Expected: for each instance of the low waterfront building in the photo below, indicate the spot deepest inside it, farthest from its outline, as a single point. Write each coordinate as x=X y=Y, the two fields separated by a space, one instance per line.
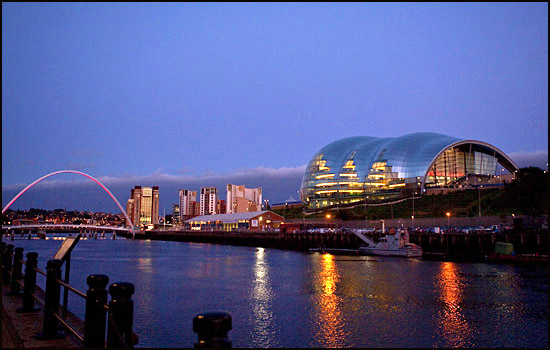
x=257 y=221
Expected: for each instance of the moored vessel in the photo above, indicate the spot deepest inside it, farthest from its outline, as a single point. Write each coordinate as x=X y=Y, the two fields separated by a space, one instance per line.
x=393 y=244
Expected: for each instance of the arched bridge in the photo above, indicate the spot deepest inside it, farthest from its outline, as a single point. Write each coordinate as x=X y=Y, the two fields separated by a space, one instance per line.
x=131 y=228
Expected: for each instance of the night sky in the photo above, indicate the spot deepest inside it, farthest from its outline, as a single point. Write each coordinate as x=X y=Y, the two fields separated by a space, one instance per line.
x=185 y=95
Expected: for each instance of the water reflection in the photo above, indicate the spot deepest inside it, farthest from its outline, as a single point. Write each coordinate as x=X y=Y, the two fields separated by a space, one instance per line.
x=452 y=324
x=261 y=299
x=145 y=265
x=330 y=319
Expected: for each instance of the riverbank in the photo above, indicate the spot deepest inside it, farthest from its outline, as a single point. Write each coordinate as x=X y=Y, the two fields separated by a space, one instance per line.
x=452 y=247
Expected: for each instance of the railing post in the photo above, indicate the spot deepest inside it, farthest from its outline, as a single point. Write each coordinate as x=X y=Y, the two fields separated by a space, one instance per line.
x=6 y=262
x=121 y=315
x=212 y=328
x=30 y=283
x=3 y=258
x=51 y=305
x=16 y=271
x=94 y=323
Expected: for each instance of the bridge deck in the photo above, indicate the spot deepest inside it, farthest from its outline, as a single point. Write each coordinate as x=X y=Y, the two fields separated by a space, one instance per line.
x=66 y=226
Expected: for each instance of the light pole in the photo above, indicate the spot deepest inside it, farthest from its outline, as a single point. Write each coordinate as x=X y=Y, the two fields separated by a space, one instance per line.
x=412 y=217
x=479 y=200
x=448 y=221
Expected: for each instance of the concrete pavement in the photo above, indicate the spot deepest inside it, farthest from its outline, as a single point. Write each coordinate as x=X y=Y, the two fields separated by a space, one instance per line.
x=19 y=329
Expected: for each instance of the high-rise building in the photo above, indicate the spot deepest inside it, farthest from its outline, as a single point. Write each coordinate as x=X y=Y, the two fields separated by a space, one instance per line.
x=187 y=201
x=196 y=209
x=221 y=207
x=241 y=199
x=209 y=200
x=143 y=206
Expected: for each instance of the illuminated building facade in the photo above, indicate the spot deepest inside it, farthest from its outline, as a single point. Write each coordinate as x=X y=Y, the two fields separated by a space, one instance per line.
x=187 y=204
x=221 y=207
x=256 y=221
x=208 y=200
x=241 y=199
x=143 y=205
x=362 y=169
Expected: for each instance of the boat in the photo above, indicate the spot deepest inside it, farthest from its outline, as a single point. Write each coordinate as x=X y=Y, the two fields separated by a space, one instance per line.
x=336 y=251
x=393 y=244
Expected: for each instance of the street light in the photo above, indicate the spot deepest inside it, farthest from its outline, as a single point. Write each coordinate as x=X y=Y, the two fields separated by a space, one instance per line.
x=479 y=200
x=412 y=217
x=448 y=221
x=328 y=219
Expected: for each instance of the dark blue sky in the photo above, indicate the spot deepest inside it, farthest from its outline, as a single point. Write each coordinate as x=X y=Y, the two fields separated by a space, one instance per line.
x=143 y=93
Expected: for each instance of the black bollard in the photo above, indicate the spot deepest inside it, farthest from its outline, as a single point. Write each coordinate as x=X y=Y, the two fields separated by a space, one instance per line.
x=53 y=291
x=16 y=271
x=94 y=322
x=30 y=283
x=121 y=316
x=212 y=328
x=6 y=262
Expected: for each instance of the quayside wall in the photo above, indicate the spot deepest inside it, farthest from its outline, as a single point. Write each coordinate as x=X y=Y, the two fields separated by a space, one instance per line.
x=453 y=246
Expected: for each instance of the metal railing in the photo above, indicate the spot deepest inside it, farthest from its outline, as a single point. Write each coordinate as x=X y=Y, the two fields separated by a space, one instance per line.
x=117 y=314
x=211 y=327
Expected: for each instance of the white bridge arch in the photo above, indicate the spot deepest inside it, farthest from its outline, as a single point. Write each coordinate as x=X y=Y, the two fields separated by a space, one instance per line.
x=72 y=172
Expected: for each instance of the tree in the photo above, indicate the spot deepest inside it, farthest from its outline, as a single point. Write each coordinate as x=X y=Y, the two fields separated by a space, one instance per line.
x=528 y=194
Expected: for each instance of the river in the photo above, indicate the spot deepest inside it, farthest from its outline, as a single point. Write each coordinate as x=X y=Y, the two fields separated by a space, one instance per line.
x=281 y=298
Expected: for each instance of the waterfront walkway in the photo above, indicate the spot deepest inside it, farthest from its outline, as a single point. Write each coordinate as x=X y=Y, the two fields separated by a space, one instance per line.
x=19 y=329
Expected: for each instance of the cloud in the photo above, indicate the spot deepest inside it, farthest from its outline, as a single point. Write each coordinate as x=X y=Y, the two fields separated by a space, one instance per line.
x=527 y=159
x=277 y=186
x=255 y=174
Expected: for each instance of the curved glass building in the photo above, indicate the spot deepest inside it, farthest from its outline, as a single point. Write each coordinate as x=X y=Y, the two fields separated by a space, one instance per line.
x=365 y=169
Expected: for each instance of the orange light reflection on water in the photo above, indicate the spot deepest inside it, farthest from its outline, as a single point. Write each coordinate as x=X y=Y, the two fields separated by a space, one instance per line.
x=451 y=322
x=331 y=323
